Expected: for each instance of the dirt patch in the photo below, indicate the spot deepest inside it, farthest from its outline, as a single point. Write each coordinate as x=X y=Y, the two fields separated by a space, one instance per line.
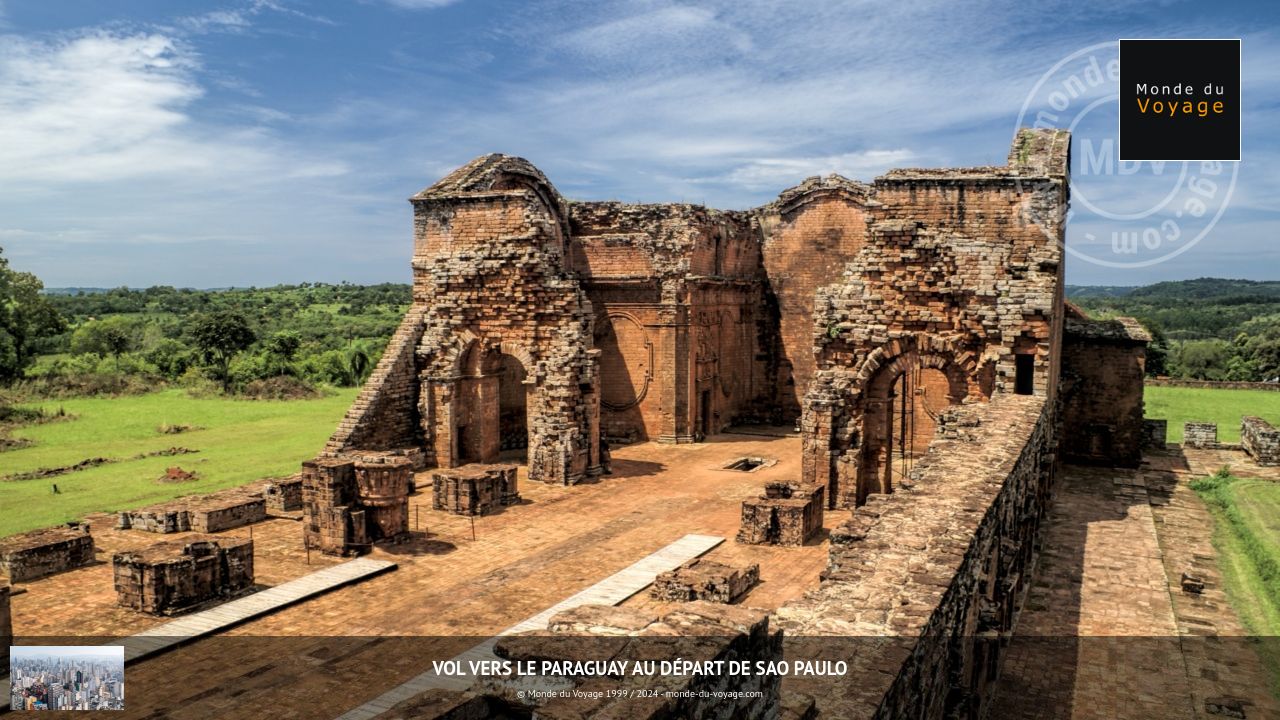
x=167 y=452
x=168 y=429
x=13 y=443
x=280 y=388
x=178 y=475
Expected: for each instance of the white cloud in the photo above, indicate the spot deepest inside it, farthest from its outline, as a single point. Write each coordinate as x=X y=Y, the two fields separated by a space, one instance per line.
x=421 y=4
x=103 y=107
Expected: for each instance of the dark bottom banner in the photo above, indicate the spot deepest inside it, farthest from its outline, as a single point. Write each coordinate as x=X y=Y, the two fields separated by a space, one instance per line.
x=755 y=673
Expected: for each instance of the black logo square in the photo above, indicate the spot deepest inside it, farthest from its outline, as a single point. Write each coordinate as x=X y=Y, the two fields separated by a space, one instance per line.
x=1179 y=99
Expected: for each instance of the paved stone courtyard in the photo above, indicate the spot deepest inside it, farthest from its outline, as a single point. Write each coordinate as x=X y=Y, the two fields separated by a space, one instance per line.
x=1107 y=631
x=448 y=590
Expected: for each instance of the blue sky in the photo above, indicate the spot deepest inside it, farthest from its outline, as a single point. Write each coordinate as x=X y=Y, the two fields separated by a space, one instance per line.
x=258 y=142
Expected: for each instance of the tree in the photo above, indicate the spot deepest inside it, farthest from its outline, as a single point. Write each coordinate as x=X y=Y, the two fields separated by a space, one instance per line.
x=25 y=317
x=219 y=337
x=283 y=346
x=112 y=336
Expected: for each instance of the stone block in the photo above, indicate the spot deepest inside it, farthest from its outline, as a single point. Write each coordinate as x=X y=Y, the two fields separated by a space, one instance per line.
x=787 y=514
x=173 y=576
x=35 y=554
x=1260 y=440
x=701 y=579
x=1200 y=435
x=474 y=489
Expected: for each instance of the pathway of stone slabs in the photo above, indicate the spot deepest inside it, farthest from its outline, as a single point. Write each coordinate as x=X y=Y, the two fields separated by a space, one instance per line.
x=207 y=622
x=611 y=591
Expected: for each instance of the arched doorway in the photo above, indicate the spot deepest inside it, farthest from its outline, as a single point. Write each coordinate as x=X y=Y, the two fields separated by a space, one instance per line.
x=513 y=409
x=900 y=418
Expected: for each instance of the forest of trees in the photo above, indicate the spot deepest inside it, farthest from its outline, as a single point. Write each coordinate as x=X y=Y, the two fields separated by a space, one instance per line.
x=260 y=341
x=1205 y=329
x=285 y=341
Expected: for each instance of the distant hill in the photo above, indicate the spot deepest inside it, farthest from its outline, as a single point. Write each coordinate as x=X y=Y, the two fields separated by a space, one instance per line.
x=1079 y=292
x=1200 y=309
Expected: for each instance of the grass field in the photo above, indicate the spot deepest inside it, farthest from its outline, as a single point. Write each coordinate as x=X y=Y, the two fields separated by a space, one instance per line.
x=1247 y=536
x=1225 y=407
x=239 y=441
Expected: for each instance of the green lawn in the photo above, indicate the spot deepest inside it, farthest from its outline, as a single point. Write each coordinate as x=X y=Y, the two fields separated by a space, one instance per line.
x=1247 y=536
x=240 y=441
x=1225 y=407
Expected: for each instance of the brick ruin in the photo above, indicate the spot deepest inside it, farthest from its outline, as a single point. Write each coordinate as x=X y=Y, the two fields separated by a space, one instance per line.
x=914 y=328
x=352 y=501
x=702 y=579
x=216 y=512
x=474 y=489
x=1260 y=440
x=1103 y=425
x=1200 y=434
x=540 y=325
x=786 y=514
x=35 y=554
x=173 y=576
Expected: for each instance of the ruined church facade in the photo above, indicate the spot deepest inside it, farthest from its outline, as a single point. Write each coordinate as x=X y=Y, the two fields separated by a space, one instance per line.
x=858 y=312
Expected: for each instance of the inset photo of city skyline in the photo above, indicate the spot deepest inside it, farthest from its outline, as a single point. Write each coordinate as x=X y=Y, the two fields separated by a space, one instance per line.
x=66 y=677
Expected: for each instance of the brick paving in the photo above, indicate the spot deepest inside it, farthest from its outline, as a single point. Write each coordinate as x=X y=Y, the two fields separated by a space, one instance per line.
x=1107 y=631
x=448 y=591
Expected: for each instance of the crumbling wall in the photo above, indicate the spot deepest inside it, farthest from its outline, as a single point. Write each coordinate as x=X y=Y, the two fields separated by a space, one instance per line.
x=384 y=415
x=786 y=514
x=1200 y=435
x=173 y=576
x=934 y=571
x=284 y=494
x=677 y=291
x=1260 y=439
x=489 y=264
x=808 y=236
x=474 y=489
x=959 y=277
x=32 y=555
x=702 y=579
x=224 y=510
x=1103 y=366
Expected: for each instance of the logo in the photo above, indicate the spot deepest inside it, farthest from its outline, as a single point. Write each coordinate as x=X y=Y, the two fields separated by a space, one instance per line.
x=1124 y=213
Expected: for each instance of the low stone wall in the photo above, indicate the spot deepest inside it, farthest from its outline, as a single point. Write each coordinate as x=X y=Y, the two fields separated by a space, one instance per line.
x=701 y=579
x=1155 y=433
x=1200 y=435
x=1260 y=440
x=787 y=514
x=284 y=495
x=474 y=489
x=1218 y=384
x=211 y=513
x=924 y=583
x=169 y=577
x=38 y=553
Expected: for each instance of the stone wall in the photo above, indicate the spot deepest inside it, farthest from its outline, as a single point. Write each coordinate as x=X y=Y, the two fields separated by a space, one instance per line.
x=173 y=576
x=32 y=555
x=1260 y=440
x=934 y=572
x=1200 y=435
x=1103 y=365
x=1155 y=433
x=1215 y=384
x=957 y=285
x=284 y=495
x=215 y=512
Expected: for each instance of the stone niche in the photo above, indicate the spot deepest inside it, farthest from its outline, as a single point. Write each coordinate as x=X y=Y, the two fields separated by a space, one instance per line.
x=474 y=489
x=701 y=579
x=353 y=501
x=1200 y=435
x=1260 y=440
x=34 y=554
x=788 y=513
x=284 y=495
x=173 y=576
